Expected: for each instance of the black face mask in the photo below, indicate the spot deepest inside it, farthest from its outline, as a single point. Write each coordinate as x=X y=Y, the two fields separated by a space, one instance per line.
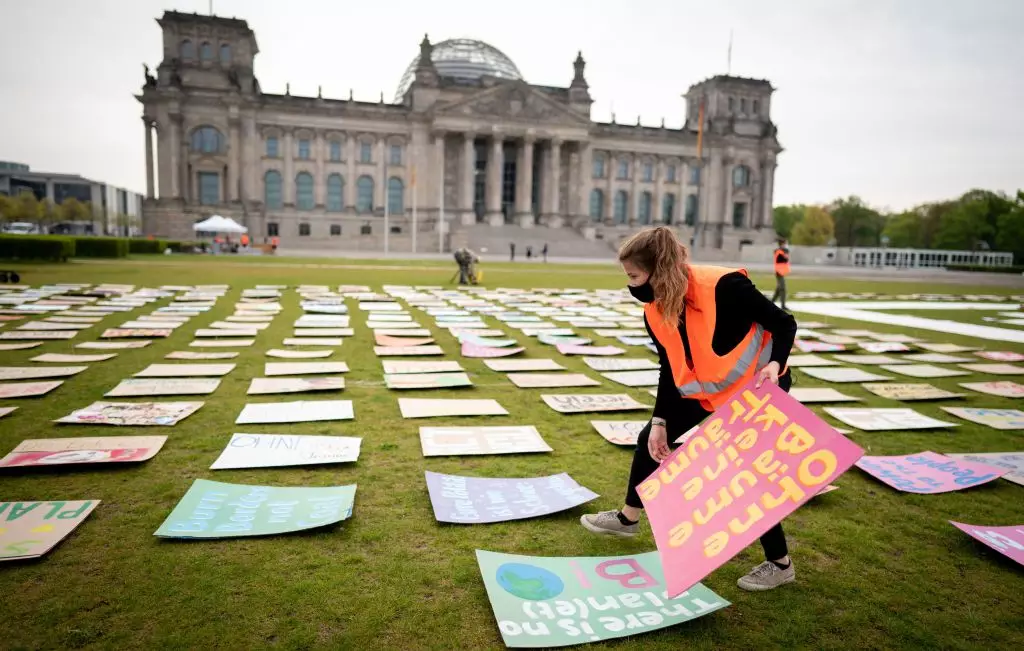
x=643 y=293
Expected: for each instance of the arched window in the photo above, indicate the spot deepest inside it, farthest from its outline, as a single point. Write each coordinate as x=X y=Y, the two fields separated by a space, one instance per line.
x=225 y=54
x=364 y=194
x=273 y=145
x=596 y=205
x=304 y=191
x=206 y=52
x=335 y=151
x=335 y=193
x=691 y=209
x=740 y=176
x=187 y=50
x=365 y=152
x=207 y=140
x=670 y=173
x=396 y=196
x=668 y=208
x=648 y=172
x=598 y=168
x=272 y=190
x=621 y=205
x=396 y=155
x=623 y=172
x=644 y=210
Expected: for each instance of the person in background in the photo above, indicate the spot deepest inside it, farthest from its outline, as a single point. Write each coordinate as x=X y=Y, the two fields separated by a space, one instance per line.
x=529 y=252
x=512 y=251
x=245 y=240
x=544 y=252
x=781 y=257
x=466 y=260
x=274 y=241
x=714 y=332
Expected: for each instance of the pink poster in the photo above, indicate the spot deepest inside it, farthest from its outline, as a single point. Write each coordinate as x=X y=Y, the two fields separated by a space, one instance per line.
x=748 y=466
x=928 y=472
x=473 y=350
x=1008 y=541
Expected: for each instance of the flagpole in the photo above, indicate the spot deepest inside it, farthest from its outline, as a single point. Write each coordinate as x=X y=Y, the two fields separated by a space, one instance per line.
x=728 y=58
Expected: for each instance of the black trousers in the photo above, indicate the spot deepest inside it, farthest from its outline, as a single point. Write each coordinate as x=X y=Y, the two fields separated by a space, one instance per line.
x=687 y=414
x=780 y=290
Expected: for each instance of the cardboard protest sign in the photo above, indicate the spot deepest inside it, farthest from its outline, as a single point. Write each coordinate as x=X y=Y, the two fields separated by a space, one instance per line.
x=388 y=341
x=1013 y=462
x=56 y=358
x=551 y=380
x=24 y=335
x=592 y=402
x=635 y=378
x=878 y=420
x=1005 y=388
x=481 y=500
x=276 y=450
x=134 y=387
x=944 y=348
x=301 y=411
x=922 y=370
x=430 y=408
x=221 y=343
x=313 y=341
x=27 y=389
x=426 y=380
x=113 y=345
x=1001 y=355
x=1001 y=419
x=522 y=365
x=935 y=358
x=186 y=370
x=751 y=463
x=136 y=414
x=38 y=372
x=610 y=364
x=910 y=391
x=620 y=432
x=398 y=367
x=323 y=332
x=298 y=354
x=806 y=361
x=884 y=346
x=597 y=351
x=271 y=385
x=136 y=333
x=5 y=411
x=843 y=374
x=23 y=346
x=400 y=332
x=484 y=342
x=189 y=355
x=807 y=395
x=995 y=369
x=806 y=346
x=541 y=601
x=31 y=529
x=470 y=349
x=1008 y=541
x=204 y=333
x=928 y=472
x=407 y=351
x=563 y=340
x=459 y=441
x=271 y=369
x=866 y=360
x=213 y=509
x=103 y=449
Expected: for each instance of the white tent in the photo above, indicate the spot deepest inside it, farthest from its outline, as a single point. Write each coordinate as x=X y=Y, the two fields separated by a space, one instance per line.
x=218 y=224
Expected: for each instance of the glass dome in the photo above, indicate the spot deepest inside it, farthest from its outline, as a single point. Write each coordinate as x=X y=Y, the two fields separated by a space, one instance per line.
x=465 y=60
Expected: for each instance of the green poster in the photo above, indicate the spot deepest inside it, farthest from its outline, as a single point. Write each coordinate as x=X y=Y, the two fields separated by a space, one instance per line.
x=545 y=601
x=213 y=509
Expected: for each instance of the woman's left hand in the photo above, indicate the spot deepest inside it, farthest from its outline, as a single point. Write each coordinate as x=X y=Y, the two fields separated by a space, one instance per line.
x=770 y=373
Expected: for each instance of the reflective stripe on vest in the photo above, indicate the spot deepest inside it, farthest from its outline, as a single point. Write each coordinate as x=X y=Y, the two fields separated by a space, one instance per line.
x=751 y=357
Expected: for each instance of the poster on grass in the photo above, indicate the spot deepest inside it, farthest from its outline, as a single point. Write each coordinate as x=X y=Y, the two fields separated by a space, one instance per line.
x=426 y=380
x=213 y=509
x=928 y=472
x=482 y=500
x=137 y=414
x=750 y=464
x=567 y=403
x=620 y=432
x=134 y=387
x=1013 y=462
x=38 y=372
x=909 y=392
x=103 y=449
x=1001 y=419
x=522 y=365
x=873 y=419
x=1008 y=541
x=31 y=529
x=274 y=450
x=553 y=601
x=1005 y=388
x=459 y=441
x=27 y=389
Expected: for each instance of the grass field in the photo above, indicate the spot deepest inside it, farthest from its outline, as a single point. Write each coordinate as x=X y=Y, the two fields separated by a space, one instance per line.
x=876 y=568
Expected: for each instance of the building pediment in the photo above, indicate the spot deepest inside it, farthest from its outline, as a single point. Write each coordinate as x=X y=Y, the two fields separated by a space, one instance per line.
x=513 y=102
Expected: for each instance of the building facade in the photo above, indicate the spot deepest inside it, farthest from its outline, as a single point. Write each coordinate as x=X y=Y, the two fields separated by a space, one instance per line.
x=467 y=143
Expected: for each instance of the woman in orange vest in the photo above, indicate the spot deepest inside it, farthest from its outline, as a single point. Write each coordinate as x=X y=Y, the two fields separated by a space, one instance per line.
x=781 y=271
x=714 y=332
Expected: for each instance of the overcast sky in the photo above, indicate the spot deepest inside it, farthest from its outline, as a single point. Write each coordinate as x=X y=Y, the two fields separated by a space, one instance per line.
x=898 y=101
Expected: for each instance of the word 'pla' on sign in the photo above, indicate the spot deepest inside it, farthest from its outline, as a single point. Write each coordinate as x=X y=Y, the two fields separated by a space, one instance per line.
x=31 y=529
x=543 y=601
x=749 y=465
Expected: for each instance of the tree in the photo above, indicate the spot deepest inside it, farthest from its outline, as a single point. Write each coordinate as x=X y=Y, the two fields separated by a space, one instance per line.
x=8 y=208
x=73 y=210
x=786 y=217
x=49 y=212
x=1011 y=230
x=856 y=224
x=815 y=229
x=905 y=230
x=26 y=207
x=965 y=226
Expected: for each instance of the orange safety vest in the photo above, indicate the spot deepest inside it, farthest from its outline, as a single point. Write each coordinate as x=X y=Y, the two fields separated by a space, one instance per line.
x=781 y=268
x=274 y=241
x=707 y=377
x=245 y=240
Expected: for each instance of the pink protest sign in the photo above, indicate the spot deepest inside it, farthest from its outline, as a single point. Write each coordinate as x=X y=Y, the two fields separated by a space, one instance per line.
x=928 y=472
x=746 y=467
x=1008 y=541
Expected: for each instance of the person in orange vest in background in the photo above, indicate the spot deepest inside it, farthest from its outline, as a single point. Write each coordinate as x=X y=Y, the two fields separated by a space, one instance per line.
x=244 y=240
x=714 y=332
x=273 y=243
x=781 y=257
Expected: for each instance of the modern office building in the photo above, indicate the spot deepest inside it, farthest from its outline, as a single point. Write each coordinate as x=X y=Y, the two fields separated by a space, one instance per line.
x=466 y=144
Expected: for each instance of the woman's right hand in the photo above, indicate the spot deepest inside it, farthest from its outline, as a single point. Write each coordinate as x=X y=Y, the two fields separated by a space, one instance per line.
x=657 y=443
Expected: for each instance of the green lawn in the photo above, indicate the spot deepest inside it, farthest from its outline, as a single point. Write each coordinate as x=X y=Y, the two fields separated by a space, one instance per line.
x=876 y=568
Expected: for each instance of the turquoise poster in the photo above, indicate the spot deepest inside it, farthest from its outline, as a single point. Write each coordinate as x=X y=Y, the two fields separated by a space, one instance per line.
x=547 y=601
x=213 y=509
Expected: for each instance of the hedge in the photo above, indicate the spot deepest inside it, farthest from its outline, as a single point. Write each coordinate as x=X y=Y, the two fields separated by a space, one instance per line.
x=36 y=247
x=179 y=247
x=101 y=247
x=136 y=245
x=1015 y=269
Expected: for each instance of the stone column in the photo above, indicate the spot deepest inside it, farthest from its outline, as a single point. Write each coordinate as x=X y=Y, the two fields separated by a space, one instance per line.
x=612 y=169
x=235 y=160
x=495 y=161
x=173 y=142
x=634 y=194
x=767 y=188
x=439 y=176
x=468 y=180
x=553 y=183
x=582 y=199
x=382 y=176
x=148 y=125
x=524 y=184
x=188 y=181
x=575 y=174
x=251 y=170
x=657 y=212
x=289 y=169
x=711 y=187
x=727 y=213
x=319 y=182
x=350 y=172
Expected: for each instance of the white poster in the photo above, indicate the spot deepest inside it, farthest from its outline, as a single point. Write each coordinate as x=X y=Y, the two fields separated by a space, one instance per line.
x=1005 y=388
x=304 y=411
x=634 y=378
x=135 y=387
x=922 y=370
x=522 y=365
x=398 y=367
x=186 y=370
x=608 y=364
x=271 y=369
x=270 y=385
x=38 y=372
x=457 y=441
x=808 y=395
x=313 y=341
x=274 y=450
x=1001 y=419
x=843 y=374
x=189 y=355
x=809 y=360
x=995 y=369
x=877 y=420
x=592 y=402
x=620 y=432
x=1012 y=461
x=551 y=380
x=299 y=354
x=432 y=408
x=895 y=391
x=426 y=380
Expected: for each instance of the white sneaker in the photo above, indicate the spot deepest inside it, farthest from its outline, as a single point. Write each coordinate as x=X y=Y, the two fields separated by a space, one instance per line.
x=767 y=576
x=607 y=523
